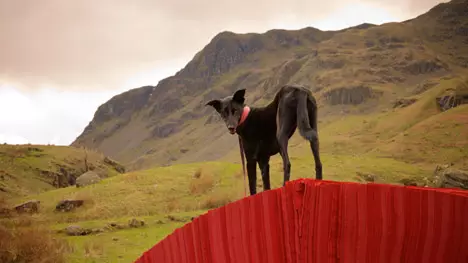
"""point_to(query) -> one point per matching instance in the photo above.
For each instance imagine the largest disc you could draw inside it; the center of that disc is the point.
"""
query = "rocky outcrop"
(29, 207)
(423, 67)
(451, 101)
(353, 95)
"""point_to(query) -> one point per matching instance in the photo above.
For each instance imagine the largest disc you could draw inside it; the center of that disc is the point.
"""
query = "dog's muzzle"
(232, 130)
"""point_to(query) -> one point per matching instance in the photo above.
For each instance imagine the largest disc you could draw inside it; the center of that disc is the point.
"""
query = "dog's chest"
(262, 148)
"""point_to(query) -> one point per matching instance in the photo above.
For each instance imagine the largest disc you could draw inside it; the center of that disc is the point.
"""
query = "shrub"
(22, 242)
(201, 182)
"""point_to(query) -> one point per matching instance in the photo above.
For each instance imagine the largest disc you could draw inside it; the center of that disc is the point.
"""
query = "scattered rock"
(28, 207)
(409, 182)
(136, 223)
(367, 177)
(175, 219)
(113, 226)
(118, 167)
(401, 103)
(115, 239)
(68, 205)
(87, 178)
(97, 230)
(75, 230)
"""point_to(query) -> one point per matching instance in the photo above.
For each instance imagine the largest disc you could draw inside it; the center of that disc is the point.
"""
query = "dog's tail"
(303, 122)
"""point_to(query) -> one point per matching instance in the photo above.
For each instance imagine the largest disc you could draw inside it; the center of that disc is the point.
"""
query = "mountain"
(363, 70)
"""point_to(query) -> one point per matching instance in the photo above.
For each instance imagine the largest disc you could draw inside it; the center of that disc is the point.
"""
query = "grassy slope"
(31, 169)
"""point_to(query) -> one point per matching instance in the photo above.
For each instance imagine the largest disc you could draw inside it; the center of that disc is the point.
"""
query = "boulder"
(28, 207)
(68, 205)
(87, 178)
(453, 178)
(446, 176)
(409, 182)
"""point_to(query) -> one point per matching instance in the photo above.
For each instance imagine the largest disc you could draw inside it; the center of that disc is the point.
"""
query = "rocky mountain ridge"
(362, 69)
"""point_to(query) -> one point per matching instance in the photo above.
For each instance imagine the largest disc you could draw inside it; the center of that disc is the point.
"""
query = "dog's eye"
(233, 111)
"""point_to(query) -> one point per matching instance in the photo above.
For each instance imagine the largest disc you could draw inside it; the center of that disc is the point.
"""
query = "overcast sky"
(60, 60)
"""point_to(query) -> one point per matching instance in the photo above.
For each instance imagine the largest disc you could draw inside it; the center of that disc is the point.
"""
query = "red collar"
(245, 114)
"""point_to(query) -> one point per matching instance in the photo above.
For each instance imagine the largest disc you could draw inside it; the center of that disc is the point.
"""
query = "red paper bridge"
(324, 221)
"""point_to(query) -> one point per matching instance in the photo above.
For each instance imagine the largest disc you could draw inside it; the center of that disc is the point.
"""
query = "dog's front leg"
(252, 174)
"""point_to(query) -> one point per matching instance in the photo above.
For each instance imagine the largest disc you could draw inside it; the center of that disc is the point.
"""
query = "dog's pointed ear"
(239, 96)
(216, 104)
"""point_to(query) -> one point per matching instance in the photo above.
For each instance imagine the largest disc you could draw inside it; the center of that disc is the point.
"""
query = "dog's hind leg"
(314, 146)
(286, 123)
(314, 142)
(307, 124)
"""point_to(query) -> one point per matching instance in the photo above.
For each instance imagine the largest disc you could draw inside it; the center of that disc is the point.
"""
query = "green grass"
(124, 245)
(153, 194)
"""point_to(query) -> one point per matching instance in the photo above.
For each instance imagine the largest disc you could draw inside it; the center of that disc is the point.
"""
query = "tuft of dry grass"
(23, 241)
(202, 182)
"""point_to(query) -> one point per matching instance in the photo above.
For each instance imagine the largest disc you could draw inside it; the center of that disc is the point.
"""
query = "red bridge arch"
(324, 221)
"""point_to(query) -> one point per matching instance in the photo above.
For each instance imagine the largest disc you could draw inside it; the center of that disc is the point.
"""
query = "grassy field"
(122, 245)
(165, 198)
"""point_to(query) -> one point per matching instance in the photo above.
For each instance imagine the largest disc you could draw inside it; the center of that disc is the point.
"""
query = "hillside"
(32, 169)
(355, 72)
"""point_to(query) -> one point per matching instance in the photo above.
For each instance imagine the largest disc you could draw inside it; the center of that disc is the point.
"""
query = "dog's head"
(230, 109)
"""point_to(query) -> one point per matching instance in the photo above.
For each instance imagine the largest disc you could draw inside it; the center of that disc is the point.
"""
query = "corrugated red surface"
(324, 221)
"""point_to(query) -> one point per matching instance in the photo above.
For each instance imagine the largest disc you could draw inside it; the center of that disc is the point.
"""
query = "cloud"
(60, 60)
(46, 116)
(92, 44)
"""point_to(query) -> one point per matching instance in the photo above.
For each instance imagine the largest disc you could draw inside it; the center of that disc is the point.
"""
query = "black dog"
(265, 131)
